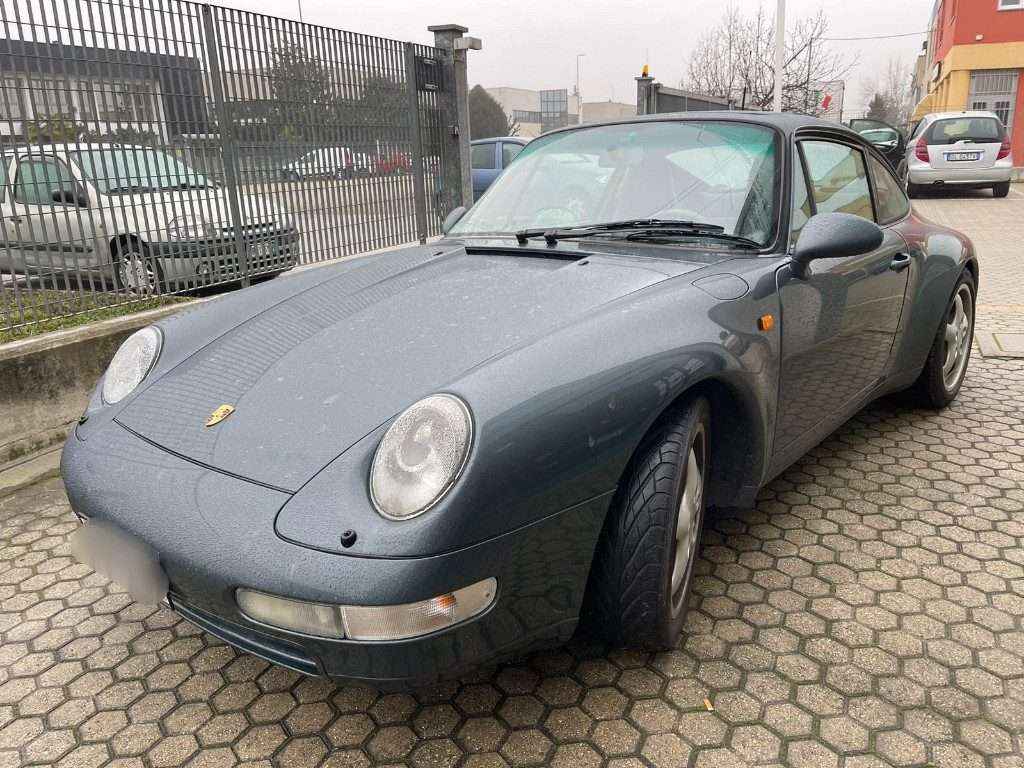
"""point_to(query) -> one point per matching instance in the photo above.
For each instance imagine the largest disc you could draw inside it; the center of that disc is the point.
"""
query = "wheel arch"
(737, 460)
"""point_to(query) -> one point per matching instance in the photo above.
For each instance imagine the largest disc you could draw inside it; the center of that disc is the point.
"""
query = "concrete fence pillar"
(457, 179)
(646, 95)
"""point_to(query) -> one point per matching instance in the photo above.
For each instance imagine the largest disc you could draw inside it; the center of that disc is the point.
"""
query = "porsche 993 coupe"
(397, 468)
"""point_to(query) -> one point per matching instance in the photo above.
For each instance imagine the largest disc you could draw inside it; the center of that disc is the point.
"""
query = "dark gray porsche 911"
(399, 467)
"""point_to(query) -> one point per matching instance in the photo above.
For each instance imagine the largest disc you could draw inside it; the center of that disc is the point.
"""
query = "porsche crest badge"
(220, 414)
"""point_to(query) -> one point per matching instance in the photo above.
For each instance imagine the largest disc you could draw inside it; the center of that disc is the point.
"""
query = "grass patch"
(46, 309)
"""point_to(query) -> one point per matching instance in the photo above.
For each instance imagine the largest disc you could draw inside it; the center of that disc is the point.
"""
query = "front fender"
(557, 420)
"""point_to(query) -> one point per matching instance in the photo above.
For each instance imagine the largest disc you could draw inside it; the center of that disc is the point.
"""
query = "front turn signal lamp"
(368, 622)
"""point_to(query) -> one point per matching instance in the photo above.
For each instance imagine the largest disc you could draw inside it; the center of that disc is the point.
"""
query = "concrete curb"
(29, 471)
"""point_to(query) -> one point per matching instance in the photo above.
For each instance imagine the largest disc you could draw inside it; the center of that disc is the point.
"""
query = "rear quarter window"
(981, 130)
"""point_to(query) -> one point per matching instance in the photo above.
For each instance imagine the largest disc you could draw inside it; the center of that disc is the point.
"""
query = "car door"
(53, 236)
(884, 137)
(838, 322)
(484, 161)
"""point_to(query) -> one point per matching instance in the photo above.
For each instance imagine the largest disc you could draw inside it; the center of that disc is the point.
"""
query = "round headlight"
(131, 363)
(420, 456)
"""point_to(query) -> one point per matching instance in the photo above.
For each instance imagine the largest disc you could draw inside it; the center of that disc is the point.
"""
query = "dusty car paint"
(565, 368)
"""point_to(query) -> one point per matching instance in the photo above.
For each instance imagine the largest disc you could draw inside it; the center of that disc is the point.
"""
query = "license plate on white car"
(962, 157)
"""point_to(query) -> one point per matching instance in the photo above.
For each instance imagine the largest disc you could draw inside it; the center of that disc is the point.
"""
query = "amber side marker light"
(766, 322)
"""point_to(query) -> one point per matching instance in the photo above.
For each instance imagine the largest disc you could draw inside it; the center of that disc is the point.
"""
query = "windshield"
(125, 170)
(719, 173)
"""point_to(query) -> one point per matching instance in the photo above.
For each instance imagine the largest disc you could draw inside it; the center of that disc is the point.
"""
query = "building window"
(524, 116)
(50, 97)
(1011, 5)
(554, 109)
(119, 101)
(1002, 110)
(12, 103)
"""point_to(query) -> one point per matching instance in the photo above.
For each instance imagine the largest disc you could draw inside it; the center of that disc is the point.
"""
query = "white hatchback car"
(131, 215)
(958, 149)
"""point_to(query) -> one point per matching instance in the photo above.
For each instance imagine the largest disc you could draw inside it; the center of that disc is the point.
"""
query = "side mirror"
(834, 236)
(453, 218)
(70, 197)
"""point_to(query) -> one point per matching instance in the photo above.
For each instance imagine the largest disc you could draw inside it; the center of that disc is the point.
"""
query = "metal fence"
(163, 146)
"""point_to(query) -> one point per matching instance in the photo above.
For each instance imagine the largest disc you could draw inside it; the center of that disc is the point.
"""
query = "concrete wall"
(47, 380)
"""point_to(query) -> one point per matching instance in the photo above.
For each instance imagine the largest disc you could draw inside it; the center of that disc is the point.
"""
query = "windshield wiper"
(131, 188)
(669, 235)
(189, 185)
(553, 235)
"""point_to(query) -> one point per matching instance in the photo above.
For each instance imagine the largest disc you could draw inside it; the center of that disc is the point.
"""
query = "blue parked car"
(489, 157)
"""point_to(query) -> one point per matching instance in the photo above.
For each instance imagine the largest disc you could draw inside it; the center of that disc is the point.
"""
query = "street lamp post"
(579, 96)
(780, 52)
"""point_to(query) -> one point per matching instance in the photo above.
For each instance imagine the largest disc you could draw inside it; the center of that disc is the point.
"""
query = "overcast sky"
(533, 43)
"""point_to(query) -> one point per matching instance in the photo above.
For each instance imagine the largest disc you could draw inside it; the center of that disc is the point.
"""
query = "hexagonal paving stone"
(866, 613)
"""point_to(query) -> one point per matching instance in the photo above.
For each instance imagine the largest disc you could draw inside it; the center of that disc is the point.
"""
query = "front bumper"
(214, 533)
(211, 260)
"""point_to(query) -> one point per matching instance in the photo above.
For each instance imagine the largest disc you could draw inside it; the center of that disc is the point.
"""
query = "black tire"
(631, 600)
(136, 272)
(933, 389)
(1001, 190)
(913, 191)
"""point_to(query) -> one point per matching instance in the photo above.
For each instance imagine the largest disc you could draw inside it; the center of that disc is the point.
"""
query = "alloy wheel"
(958, 335)
(689, 519)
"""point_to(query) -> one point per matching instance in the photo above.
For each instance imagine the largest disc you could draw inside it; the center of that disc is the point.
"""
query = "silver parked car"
(336, 162)
(132, 216)
(969, 150)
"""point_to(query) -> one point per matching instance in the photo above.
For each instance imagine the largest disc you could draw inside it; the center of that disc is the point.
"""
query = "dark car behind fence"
(159, 147)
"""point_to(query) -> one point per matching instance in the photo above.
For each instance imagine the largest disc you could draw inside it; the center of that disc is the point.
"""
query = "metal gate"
(995, 91)
(159, 146)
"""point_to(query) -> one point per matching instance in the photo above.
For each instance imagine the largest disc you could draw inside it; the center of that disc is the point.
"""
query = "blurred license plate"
(122, 558)
(960, 157)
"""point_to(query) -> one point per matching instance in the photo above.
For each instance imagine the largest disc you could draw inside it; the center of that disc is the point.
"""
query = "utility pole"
(780, 52)
(810, 57)
(579, 95)
(300, 11)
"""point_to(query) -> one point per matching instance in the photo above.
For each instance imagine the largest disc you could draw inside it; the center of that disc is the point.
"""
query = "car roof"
(68, 147)
(963, 113)
(787, 122)
(513, 139)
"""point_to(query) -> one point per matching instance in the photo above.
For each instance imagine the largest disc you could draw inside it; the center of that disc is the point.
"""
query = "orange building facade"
(975, 57)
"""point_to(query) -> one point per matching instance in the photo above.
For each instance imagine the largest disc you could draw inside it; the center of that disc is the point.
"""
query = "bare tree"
(735, 60)
(895, 91)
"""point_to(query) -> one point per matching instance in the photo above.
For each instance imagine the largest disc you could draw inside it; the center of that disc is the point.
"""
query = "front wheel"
(643, 568)
(138, 273)
(1001, 190)
(946, 367)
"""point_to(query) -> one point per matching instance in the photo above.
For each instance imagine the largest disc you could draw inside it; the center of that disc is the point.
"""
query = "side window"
(38, 178)
(892, 203)
(481, 156)
(839, 181)
(509, 152)
(801, 202)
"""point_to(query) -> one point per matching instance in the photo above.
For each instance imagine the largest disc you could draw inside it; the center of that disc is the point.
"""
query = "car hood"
(310, 376)
(150, 213)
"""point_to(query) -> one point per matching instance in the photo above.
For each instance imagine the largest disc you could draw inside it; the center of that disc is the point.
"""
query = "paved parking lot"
(868, 612)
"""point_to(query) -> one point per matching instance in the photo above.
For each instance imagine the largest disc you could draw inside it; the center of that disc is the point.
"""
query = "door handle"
(900, 262)
(14, 219)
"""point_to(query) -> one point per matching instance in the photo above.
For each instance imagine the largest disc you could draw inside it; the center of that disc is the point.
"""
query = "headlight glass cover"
(190, 227)
(132, 361)
(420, 456)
